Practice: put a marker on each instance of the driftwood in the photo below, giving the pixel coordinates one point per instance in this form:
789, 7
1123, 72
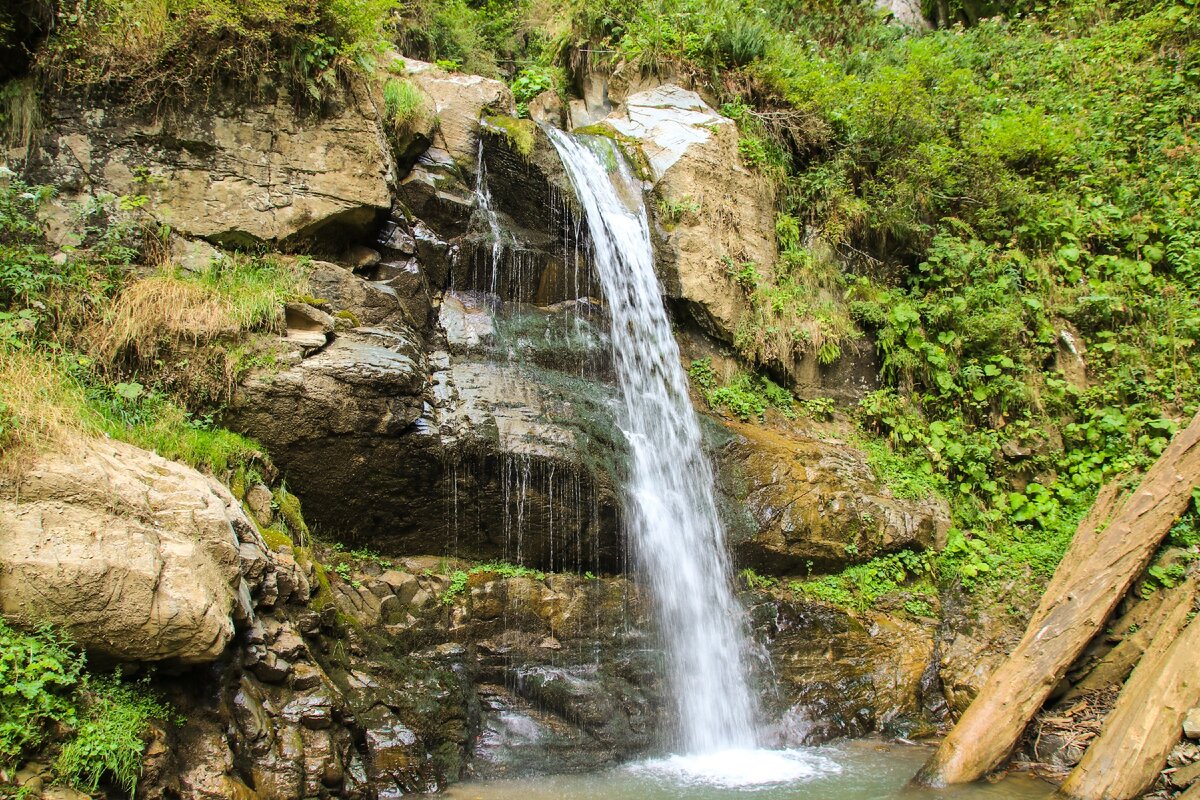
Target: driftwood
1100, 565
1111, 670
1146, 721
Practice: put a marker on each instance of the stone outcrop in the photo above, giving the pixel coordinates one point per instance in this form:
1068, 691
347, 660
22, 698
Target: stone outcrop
842, 674
240, 176
458, 101
138, 557
483, 442
394, 683
816, 504
692, 152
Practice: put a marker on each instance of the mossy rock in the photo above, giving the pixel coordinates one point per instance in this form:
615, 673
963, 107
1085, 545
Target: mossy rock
630, 148
519, 132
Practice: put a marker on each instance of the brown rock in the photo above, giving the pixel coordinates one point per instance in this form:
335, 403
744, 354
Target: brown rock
810, 500
239, 175
136, 556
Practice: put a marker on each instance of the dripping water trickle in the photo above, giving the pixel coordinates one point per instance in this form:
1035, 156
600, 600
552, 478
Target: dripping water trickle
483, 203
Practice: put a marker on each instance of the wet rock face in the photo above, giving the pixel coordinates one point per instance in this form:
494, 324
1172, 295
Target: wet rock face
813, 501
569, 681
482, 442
538, 256
840, 674
241, 177
397, 687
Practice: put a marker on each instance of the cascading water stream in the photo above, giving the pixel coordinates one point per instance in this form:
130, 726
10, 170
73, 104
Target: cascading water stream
483, 203
676, 534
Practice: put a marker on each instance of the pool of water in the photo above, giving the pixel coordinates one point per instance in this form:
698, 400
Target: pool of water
857, 770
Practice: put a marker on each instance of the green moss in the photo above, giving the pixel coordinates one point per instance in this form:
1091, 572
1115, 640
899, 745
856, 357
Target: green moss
276, 537
237, 483
322, 598
518, 132
289, 509
630, 148
349, 316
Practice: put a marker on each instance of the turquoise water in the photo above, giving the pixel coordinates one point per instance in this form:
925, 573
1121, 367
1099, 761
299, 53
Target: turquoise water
858, 770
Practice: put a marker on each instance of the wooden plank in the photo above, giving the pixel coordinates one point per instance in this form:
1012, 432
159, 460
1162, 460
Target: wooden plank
1098, 569
1147, 721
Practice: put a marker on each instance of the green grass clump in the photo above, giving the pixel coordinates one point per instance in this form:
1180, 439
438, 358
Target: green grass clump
406, 108
50, 704
108, 742
459, 579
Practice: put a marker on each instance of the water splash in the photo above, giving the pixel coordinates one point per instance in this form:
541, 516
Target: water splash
676, 535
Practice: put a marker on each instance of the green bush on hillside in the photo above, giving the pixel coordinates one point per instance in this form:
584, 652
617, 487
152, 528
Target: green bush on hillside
51, 705
144, 52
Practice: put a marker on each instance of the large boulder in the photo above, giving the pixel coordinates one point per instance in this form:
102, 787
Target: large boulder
815, 501
692, 154
137, 557
458, 100
239, 176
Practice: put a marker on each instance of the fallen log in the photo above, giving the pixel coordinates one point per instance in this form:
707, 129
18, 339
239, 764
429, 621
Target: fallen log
1101, 563
1115, 666
1147, 720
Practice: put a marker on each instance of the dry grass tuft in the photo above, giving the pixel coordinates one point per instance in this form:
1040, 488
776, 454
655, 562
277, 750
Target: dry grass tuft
41, 407
157, 311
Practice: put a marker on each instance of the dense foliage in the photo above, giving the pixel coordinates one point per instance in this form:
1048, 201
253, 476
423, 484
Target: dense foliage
95, 723
1008, 202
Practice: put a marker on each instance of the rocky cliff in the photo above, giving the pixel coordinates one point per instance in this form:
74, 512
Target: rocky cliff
440, 395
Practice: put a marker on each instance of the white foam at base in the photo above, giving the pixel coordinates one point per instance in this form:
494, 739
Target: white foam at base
739, 769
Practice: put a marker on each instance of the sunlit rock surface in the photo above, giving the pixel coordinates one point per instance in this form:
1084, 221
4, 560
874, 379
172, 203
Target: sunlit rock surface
137, 557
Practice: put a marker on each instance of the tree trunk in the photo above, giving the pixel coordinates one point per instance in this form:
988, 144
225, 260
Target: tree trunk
1094, 575
1148, 717
1115, 666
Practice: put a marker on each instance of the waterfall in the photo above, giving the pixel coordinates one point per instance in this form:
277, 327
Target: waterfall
483, 204
676, 535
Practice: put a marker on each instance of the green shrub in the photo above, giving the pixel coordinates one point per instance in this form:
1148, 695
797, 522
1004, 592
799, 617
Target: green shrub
746, 396
39, 675
49, 700
528, 84
109, 741
406, 108
862, 586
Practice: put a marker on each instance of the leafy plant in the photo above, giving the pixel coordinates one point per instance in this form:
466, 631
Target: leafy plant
861, 586
528, 84
459, 579
47, 697
746, 396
